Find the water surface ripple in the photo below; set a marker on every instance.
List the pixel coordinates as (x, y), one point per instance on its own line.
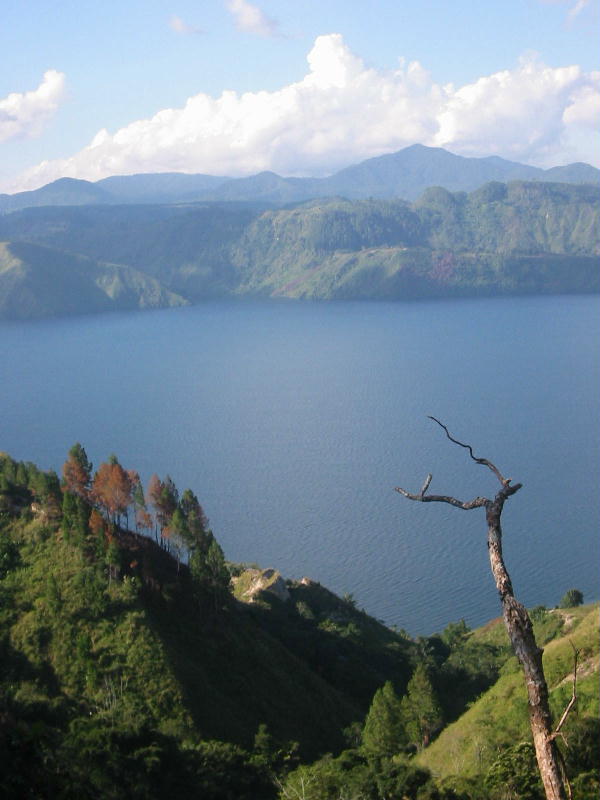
(293, 422)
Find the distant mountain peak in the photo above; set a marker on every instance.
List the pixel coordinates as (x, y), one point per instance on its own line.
(69, 182)
(404, 174)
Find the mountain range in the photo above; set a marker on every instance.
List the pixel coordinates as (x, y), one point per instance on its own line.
(404, 174)
(144, 241)
(515, 238)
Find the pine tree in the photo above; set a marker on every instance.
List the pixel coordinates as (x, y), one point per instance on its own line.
(421, 711)
(77, 472)
(383, 733)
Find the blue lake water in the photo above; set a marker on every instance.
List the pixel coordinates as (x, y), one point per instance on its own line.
(293, 422)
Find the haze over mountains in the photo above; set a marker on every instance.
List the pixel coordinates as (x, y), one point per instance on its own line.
(145, 241)
(404, 174)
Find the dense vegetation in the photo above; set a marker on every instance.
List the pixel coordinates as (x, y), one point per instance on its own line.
(138, 662)
(500, 239)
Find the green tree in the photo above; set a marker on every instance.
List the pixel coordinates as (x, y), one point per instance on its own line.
(571, 599)
(75, 516)
(455, 632)
(45, 488)
(9, 555)
(210, 574)
(197, 534)
(178, 534)
(164, 496)
(223, 771)
(113, 559)
(514, 774)
(583, 753)
(383, 733)
(421, 710)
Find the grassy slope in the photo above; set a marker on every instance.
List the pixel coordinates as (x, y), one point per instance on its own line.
(499, 718)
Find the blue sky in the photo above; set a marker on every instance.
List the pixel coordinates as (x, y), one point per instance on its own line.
(233, 86)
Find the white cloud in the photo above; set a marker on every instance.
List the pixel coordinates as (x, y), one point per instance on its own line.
(521, 113)
(251, 19)
(574, 10)
(25, 114)
(342, 112)
(179, 26)
(584, 109)
(577, 8)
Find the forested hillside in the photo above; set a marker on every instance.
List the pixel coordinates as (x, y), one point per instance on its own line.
(138, 662)
(501, 239)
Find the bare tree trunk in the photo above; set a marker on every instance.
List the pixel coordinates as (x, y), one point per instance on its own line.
(520, 632)
(518, 625)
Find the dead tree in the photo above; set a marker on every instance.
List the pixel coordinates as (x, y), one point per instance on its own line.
(518, 624)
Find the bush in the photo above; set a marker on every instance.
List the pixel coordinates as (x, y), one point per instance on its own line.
(9, 555)
(571, 599)
(514, 774)
(538, 614)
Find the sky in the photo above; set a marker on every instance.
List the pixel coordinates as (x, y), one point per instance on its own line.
(233, 87)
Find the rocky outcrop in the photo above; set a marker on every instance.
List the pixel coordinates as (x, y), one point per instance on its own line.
(249, 585)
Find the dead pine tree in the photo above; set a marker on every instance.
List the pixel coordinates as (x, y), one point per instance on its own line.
(518, 624)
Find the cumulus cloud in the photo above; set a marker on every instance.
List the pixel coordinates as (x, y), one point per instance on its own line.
(25, 114)
(342, 112)
(520, 113)
(180, 26)
(251, 19)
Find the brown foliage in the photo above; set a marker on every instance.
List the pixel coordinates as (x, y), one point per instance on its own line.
(112, 489)
(75, 477)
(96, 523)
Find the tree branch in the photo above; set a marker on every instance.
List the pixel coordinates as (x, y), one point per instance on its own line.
(484, 461)
(573, 699)
(478, 502)
(426, 484)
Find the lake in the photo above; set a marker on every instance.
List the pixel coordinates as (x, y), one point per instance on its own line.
(293, 423)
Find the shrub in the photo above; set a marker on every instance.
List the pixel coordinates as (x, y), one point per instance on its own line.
(571, 599)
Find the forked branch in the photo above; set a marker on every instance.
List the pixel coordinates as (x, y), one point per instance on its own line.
(478, 502)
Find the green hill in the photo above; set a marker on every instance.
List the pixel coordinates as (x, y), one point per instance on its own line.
(145, 666)
(62, 192)
(498, 719)
(502, 239)
(38, 281)
(103, 630)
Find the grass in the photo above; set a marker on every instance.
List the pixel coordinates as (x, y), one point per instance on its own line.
(499, 717)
